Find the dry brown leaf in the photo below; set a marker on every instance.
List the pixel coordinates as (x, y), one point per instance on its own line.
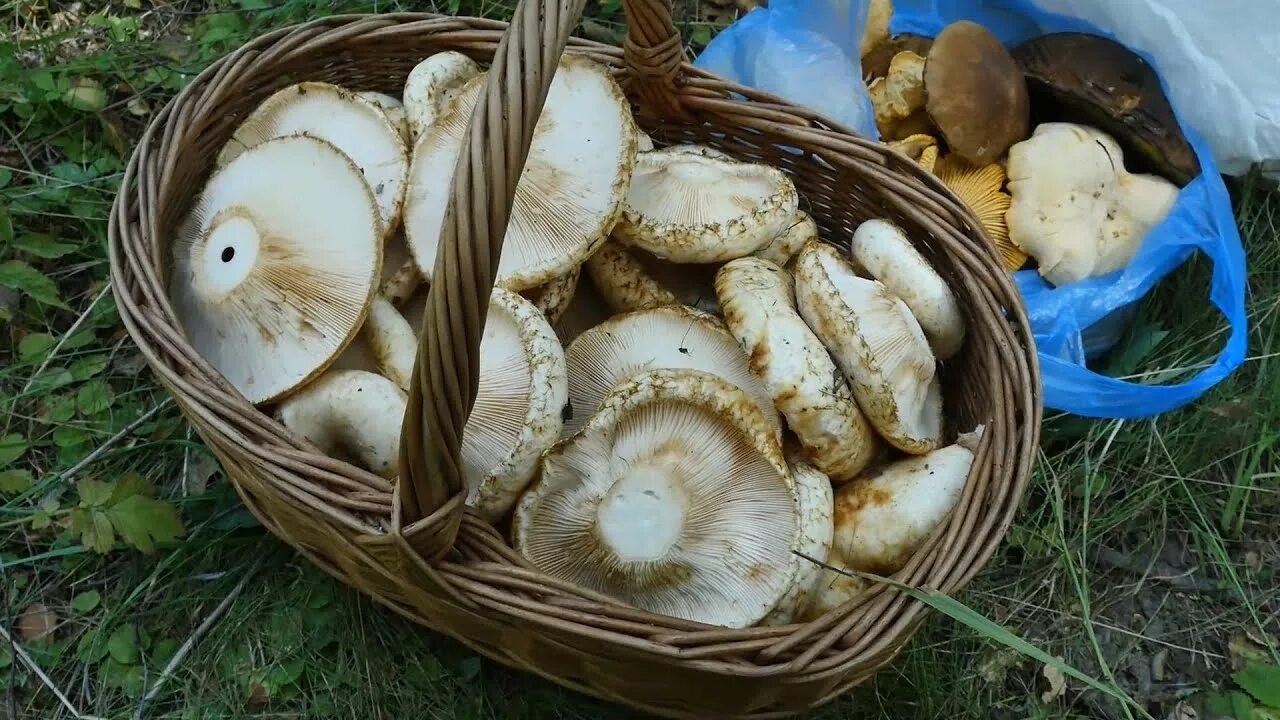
(37, 623)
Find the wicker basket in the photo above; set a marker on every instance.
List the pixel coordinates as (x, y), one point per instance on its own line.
(413, 545)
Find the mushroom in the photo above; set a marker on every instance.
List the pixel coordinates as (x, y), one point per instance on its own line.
(692, 207)
(881, 250)
(675, 498)
(393, 109)
(758, 298)
(980, 188)
(886, 515)
(570, 192)
(350, 412)
(644, 143)
(900, 93)
(816, 506)
(977, 95)
(432, 84)
(392, 341)
(274, 268)
(352, 124)
(630, 279)
(519, 407)
(1075, 208)
(876, 31)
(921, 148)
(787, 243)
(876, 63)
(554, 296)
(674, 337)
(878, 344)
(1078, 77)
(697, 149)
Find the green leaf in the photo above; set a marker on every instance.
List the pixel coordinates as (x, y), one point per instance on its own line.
(58, 410)
(86, 602)
(94, 397)
(6, 225)
(128, 677)
(6, 658)
(43, 246)
(1262, 681)
(70, 436)
(129, 484)
(123, 644)
(26, 279)
(35, 347)
(87, 367)
(94, 493)
(79, 340)
(11, 448)
(91, 649)
(95, 530)
(6, 175)
(15, 481)
(143, 522)
(164, 651)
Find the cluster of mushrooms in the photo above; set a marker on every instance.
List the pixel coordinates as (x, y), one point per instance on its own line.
(686, 400)
(725, 407)
(1033, 139)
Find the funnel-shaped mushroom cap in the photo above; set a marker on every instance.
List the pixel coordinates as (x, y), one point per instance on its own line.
(274, 268)
(882, 250)
(519, 404)
(688, 207)
(1075, 208)
(758, 298)
(431, 84)
(981, 189)
(630, 279)
(887, 513)
(876, 31)
(900, 93)
(350, 413)
(921, 148)
(393, 109)
(786, 244)
(572, 187)
(352, 124)
(674, 498)
(878, 344)
(815, 501)
(553, 297)
(675, 337)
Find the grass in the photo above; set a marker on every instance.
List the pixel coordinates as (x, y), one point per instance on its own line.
(1145, 554)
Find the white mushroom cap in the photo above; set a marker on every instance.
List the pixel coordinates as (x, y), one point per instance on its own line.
(758, 298)
(878, 344)
(675, 337)
(350, 413)
(1075, 208)
(432, 84)
(675, 498)
(881, 249)
(352, 124)
(787, 243)
(393, 109)
(274, 268)
(519, 404)
(553, 298)
(689, 207)
(630, 279)
(570, 192)
(697, 149)
(885, 515)
(392, 340)
(815, 502)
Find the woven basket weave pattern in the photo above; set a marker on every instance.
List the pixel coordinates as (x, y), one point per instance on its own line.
(413, 546)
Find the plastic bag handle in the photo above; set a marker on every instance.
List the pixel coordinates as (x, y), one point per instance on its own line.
(496, 144)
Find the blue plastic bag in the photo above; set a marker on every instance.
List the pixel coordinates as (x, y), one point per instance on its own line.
(1073, 323)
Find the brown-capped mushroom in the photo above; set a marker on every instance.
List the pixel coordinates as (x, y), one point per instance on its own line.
(977, 95)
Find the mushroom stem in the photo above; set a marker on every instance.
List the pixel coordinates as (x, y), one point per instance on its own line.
(393, 341)
(350, 410)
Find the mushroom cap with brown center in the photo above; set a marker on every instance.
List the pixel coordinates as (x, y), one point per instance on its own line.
(977, 95)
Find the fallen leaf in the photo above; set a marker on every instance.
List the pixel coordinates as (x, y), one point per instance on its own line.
(258, 694)
(86, 94)
(37, 623)
(200, 467)
(1183, 711)
(1157, 665)
(1057, 683)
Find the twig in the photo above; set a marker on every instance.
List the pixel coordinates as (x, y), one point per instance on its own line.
(34, 668)
(111, 441)
(203, 628)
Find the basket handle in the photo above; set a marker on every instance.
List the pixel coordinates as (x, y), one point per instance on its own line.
(446, 371)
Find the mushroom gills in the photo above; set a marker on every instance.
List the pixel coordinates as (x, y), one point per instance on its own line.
(877, 343)
(675, 499)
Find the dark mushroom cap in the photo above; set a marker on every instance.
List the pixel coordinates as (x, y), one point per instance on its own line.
(1076, 77)
(977, 93)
